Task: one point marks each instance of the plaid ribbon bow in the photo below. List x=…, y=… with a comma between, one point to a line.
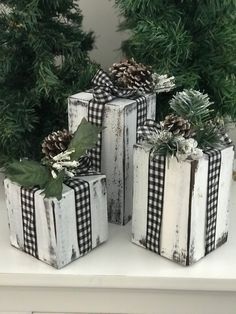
x=146, y=130
x=105, y=91
x=85, y=165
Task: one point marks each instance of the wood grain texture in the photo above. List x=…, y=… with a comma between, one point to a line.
x=140, y=195
x=198, y=211
x=56, y=225
x=14, y=214
x=227, y=156
x=183, y=226
x=174, y=230
x=118, y=138
x=98, y=192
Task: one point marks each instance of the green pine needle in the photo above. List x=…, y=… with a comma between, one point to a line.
x=193, y=40
x=208, y=136
x=192, y=105
x=43, y=60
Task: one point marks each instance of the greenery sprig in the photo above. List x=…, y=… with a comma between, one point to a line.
x=187, y=139
x=49, y=175
x=197, y=108
x=192, y=105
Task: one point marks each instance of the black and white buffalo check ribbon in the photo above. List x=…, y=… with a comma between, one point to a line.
x=141, y=111
x=105, y=91
x=214, y=166
x=83, y=214
x=83, y=217
x=29, y=221
x=145, y=131
x=156, y=182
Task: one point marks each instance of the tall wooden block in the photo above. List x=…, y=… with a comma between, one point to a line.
x=118, y=138
x=62, y=230
x=183, y=223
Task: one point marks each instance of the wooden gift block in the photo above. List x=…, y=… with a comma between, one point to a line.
x=118, y=138
x=184, y=210
x=60, y=238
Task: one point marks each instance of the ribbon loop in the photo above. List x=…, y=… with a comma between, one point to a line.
x=146, y=130
x=105, y=90
x=85, y=163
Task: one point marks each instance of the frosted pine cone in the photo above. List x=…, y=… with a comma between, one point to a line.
x=56, y=143
x=177, y=125
x=132, y=75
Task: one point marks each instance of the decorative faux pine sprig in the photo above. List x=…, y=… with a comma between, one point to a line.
x=63, y=162
x=192, y=105
x=50, y=173
x=167, y=144
x=163, y=83
x=133, y=75
x=189, y=130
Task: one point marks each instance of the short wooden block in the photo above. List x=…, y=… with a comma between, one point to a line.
x=183, y=225
x=56, y=222
x=118, y=138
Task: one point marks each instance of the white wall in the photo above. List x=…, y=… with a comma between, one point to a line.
x=103, y=18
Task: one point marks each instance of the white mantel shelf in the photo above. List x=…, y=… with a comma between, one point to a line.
x=117, y=266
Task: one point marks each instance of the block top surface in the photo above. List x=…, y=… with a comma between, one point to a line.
x=90, y=179
x=147, y=148
x=121, y=102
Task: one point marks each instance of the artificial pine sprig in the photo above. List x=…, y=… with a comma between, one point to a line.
x=165, y=143
x=50, y=173
x=208, y=136
x=187, y=139
x=192, y=105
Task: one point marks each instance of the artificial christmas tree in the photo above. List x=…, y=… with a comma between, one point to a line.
x=43, y=59
x=193, y=40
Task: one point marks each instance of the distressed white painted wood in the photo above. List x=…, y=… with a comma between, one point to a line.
x=223, y=200
x=98, y=192
x=174, y=232
x=14, y=214
x=56, y=221
x=118, y=138
x=198, y=212
x=140, y=195
x=184, y=208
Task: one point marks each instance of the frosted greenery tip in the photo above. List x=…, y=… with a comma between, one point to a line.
x=192, y=105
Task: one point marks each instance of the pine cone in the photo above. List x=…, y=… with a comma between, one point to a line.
x=132, y=75
x=177, y=125
x=56, y=143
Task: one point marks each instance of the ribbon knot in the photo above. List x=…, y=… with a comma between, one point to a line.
x=105, y=89
x=145, y=131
